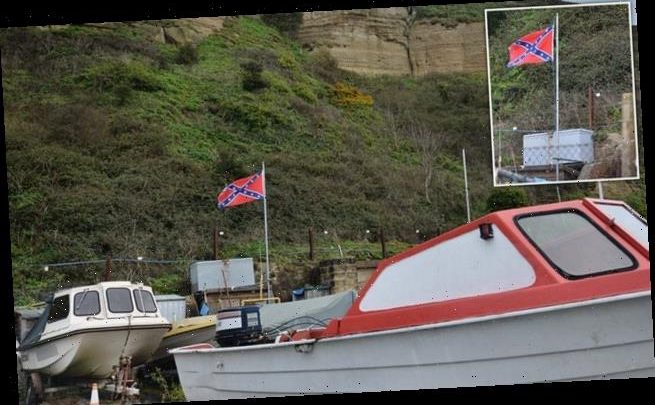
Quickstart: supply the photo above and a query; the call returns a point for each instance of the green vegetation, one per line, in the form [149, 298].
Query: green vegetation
[452, 14]
[170, 391]
[594, 53]
[506, 198]
[118, 143]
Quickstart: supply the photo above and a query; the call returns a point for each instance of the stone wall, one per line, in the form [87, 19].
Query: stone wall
[345, 274]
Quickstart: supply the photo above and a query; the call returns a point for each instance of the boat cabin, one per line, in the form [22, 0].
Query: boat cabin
[92, 306]
[506, 261]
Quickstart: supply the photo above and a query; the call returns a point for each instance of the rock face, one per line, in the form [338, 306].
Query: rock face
[365, 41]
[392, 41]
[188, 30]
[435, 48]
[181, 31]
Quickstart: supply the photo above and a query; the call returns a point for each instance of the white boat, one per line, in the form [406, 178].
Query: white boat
[84, 330]
[555, 292]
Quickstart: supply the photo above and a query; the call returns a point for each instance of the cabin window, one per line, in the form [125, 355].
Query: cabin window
[59, 309]
[86, 303]
[144, 301]
[463, 266]
[574, 245]
[627, 219]
[119, 300]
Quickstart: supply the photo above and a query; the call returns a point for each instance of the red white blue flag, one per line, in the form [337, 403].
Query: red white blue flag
[534, 48]
[242, 191]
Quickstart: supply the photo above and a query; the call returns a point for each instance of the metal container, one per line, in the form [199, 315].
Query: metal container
[171, 306]
[219, 274]
[575, 145]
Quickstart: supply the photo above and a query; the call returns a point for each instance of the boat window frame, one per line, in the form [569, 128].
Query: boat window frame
[562, 272]
[53, 306]
[84, 295]
[136, 301]
[129, 294]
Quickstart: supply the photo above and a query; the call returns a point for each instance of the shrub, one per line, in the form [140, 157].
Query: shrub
[187, 55]
[286, 23]
[252, 76]
[506, 198]
[345, 94]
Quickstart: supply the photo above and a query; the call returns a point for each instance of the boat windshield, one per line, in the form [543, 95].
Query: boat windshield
[627, 219]
[574, 245]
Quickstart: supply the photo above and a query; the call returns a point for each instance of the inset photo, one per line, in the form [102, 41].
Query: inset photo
[562, 94]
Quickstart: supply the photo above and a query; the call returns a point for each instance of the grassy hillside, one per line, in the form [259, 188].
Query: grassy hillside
[116, 142]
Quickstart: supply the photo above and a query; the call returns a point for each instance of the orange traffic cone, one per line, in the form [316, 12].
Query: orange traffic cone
[95, 400]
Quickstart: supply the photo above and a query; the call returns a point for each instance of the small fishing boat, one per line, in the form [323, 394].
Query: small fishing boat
[84, 331]
[554, 292]
[188, 331]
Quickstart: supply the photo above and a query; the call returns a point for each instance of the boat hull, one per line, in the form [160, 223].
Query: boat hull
[92, 353]
[598, 339]
[199, 335]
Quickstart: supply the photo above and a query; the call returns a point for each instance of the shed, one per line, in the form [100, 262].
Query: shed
[575, 145]
[171, 306]
[221, 274]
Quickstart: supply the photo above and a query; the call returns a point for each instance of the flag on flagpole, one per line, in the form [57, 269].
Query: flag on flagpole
[242, 191]
[533, 48]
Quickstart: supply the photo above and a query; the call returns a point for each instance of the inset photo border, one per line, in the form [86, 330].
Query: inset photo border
[562, 99]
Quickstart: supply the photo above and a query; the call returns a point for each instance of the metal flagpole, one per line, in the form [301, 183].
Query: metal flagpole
[466, 188]
[269, 292]
[557, 95]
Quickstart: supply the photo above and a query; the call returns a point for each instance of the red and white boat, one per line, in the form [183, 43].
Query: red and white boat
[555, 292]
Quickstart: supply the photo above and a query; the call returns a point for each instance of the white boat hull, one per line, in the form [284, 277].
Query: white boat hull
[92, 353]
[599, 339]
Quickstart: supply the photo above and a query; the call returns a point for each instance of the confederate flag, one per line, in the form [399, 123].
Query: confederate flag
[242, 191]
[536, 47]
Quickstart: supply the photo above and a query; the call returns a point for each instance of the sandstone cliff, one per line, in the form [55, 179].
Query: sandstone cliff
[392, 41]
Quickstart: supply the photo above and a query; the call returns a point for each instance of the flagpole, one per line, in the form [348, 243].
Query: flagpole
[557, 95]
[269, 292]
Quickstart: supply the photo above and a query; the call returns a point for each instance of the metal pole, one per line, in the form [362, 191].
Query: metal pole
[215, 242]
[557, 94]
[600, 191]
[269, 292]
[466, 188]
[500, 150]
